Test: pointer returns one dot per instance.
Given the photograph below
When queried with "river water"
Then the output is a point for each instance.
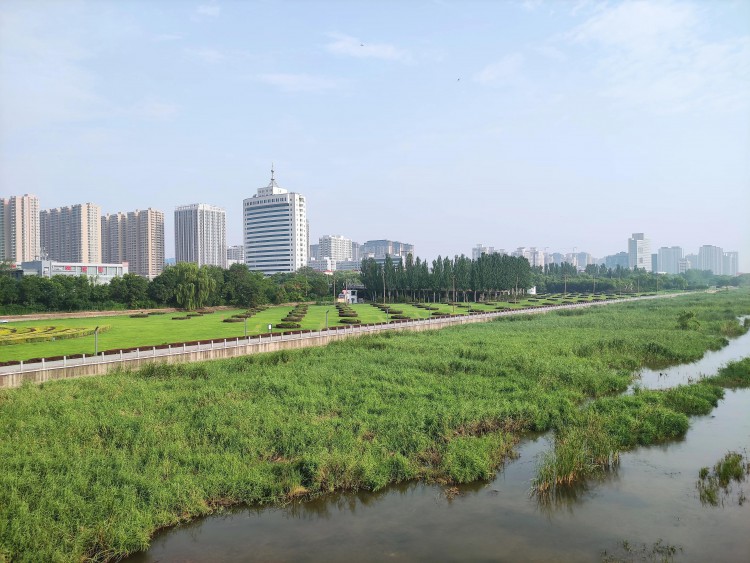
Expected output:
(645, 510)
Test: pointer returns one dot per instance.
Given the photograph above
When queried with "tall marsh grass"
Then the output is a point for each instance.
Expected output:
(92, 467)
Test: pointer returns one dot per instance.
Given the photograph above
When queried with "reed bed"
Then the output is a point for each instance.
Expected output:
(91, 468)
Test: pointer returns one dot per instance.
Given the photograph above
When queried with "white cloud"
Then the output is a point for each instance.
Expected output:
(299, 82)
(211, 56)
(504, 71)
(353, 47)
(653, 55)
(208, 10)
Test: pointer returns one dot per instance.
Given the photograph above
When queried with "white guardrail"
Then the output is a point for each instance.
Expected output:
(254, 344)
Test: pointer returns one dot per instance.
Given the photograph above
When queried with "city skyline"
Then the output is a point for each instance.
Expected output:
(517, 124)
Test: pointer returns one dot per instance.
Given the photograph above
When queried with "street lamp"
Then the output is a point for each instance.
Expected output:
(245, 327)
(386, 315)
(327, 318)
(96, 341)
(454, 293)
(383, 283)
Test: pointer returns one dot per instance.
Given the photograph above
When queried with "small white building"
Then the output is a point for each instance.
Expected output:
(99, 273)
(347, 296)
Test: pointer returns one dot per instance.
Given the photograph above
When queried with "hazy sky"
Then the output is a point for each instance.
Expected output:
(438, 123)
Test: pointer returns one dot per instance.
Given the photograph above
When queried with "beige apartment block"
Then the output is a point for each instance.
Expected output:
(72, 233)
(19, 228)
(136, 237)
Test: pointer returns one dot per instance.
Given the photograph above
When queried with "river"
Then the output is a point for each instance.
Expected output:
(648, 509)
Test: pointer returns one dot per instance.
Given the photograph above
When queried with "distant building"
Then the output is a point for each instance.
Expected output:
(668, 259)
(684, 265)
(639, 252)
(654, 262)
(730, 265)
(100, 272)
(583, 259)
(349, 265)
(200, 234)
(692, 260)
(620, 259)
(711, 258)
(19, 228)
(355, 251)
(314, 252)
(136, 237)
(534, 256)
(382, 248)
(72, 234)
(335, 247)
(555, 258)
(480, 249)
(235, 254)
(325, 265)
(275, 230)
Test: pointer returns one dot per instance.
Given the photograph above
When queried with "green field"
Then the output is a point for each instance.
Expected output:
(126, 332)
(92, 467)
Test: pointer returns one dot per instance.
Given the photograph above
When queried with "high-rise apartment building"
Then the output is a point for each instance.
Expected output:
(235, 254)
(136, 237)
(668, 259)
(639, 252)
(382, 248)
(583, 259)
(335, 247)
(200, 234)
(275, 230)
(480, 249)
(730, 265)
(620, 259)
(19, 228)
(534, 256)
(711, 258)
(72, 233)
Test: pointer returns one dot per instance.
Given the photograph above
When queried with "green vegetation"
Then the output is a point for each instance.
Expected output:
(628, 552)
(590, 443)
(11, 335)
(714, 486)
(140, 329)
(92, 467)
(734, 374)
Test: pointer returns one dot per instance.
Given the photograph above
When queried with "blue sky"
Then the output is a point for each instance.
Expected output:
(439, 123)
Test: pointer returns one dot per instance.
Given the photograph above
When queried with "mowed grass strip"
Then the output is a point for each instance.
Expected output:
(154, 330)
(93, 467)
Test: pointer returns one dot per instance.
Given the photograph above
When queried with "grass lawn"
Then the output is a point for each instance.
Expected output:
(126, 332)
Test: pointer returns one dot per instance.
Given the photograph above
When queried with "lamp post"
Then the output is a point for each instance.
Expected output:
(327, 318)
(383, 283)
(96, 341)
(386, 315)
(245, 327)
(454, 293)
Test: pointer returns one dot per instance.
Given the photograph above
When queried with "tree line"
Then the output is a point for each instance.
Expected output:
(458, 278)
(461, 278)
(187, 286)
(184, 285)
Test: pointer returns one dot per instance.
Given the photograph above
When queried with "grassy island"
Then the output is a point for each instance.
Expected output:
(92, 467)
